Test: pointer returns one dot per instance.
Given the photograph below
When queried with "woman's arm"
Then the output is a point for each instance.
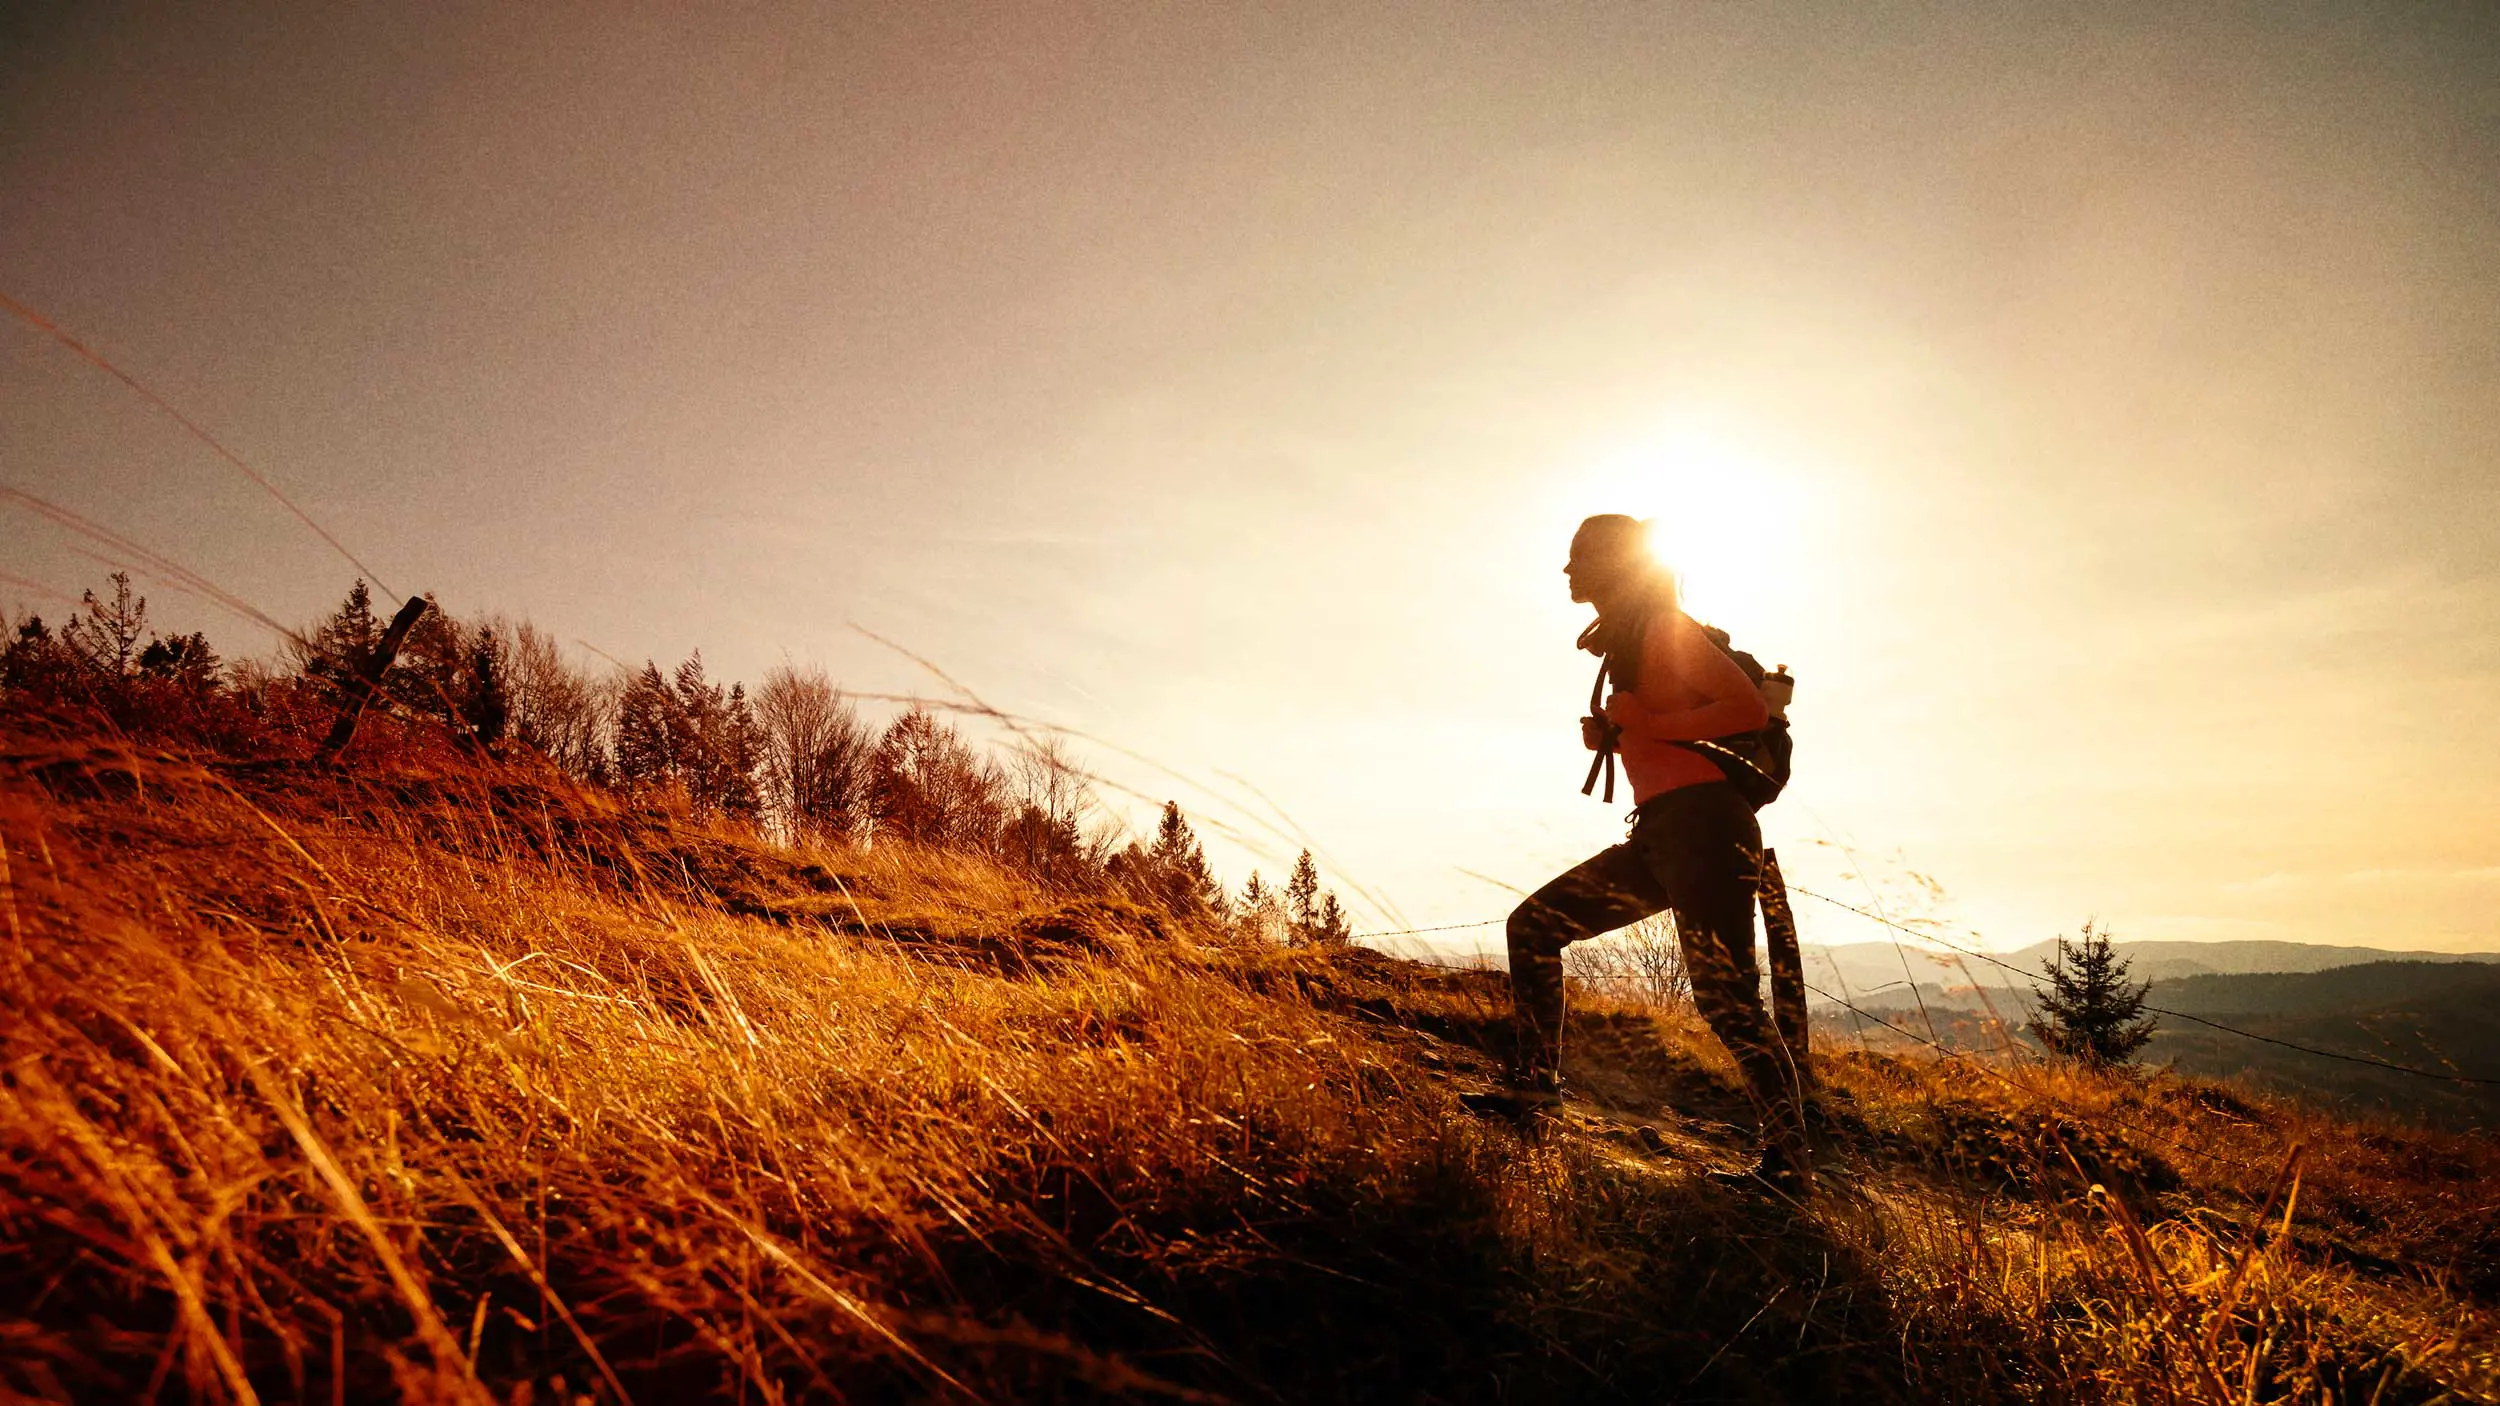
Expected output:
(1727, 700)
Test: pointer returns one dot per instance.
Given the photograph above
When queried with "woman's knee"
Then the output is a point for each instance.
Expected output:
(1534, 930)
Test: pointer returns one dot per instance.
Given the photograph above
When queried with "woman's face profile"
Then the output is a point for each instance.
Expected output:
(1594, 567)
(1574, 572)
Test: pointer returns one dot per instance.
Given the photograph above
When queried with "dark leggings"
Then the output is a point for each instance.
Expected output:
(1697, 850)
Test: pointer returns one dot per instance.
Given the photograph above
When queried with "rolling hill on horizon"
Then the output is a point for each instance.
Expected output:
(2428, 1015)
(1853, 969)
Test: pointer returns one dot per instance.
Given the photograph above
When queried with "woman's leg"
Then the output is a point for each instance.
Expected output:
(1706, 851)
(1606, 891)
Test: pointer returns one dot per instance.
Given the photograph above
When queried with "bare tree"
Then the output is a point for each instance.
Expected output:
(816, 756)
(1643, 964)
(1259, 914)
(927, 786)
(106, 636)
(1046, 836)
(561, 710)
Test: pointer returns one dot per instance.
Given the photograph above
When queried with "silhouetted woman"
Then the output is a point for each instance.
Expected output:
(1693, 847)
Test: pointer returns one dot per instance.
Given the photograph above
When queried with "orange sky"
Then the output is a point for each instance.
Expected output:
(2103, 405)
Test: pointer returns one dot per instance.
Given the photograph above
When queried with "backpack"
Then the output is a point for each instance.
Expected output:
(1756, 763)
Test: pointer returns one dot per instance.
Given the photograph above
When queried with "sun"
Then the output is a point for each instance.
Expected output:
(1722, 518)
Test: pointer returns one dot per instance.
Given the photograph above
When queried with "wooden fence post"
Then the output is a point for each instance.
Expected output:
(367, 678)
(1788, 968)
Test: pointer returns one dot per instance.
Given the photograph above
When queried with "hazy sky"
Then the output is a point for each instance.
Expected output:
(2099, 411)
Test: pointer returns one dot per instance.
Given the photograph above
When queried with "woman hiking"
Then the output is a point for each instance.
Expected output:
(1694, 846)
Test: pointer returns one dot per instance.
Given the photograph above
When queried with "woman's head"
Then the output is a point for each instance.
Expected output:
(1611, 562)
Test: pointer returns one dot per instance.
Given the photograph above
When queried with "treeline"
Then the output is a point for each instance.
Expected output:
(794, 759)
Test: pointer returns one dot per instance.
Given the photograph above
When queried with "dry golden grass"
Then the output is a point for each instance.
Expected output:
(471, 1086)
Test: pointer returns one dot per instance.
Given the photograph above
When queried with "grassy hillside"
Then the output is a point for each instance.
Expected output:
(465, 1083)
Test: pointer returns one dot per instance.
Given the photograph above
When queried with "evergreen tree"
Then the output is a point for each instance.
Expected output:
(339, 646)
(731, 753)
(37, 665)
(1302, 900)
(647, 727)
(429, 676)
(1332, 928)
(184, 659)
(684, 731)
(1176, 867)
(713, 741)
(1171, 872)
(2090, 1011)
(486, 701)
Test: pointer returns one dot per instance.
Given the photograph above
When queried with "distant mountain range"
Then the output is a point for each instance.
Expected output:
(1856, 969)
(2433, 1011)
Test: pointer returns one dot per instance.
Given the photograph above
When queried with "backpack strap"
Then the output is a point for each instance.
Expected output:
(1608, 735)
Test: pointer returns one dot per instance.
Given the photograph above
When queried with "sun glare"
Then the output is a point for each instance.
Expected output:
(1723, 519)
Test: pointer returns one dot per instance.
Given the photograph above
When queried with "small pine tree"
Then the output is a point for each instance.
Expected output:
(36, 663)
(2090, 1011)
(486, 703)
(1172, 872)
(685, 732)
(647, 725)
(1332, 928)
(1302, 899)
(340, 645)
(184, 659)
(1176, 865)
(731, 752)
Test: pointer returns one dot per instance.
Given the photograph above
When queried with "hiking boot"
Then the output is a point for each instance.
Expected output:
(1519, 1105)
(1774, 1172)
